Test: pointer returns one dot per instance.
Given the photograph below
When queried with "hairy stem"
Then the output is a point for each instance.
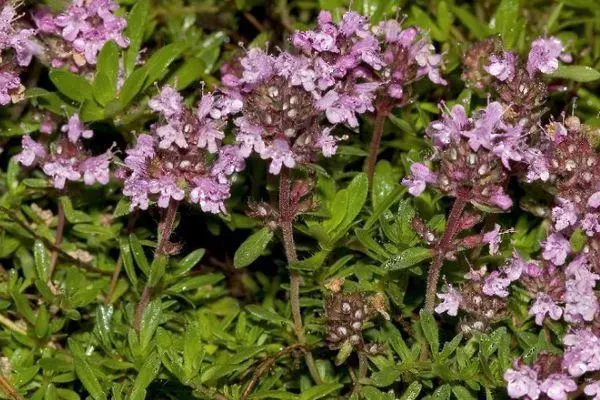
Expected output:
(60, 227)
(12, 326)
(165, 231)
(290, 251)
(265, 366)
(440, 251)
(8, 389)
(378, 125)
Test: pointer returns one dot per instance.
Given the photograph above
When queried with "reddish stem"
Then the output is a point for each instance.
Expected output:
(380, 117)
(287, 218)
(60, 227)
(165, 228)
(441, 249)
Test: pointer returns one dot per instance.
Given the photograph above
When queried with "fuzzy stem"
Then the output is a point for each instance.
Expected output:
(440, 251)
(60, 227)
(378, 125)
(290, 252)
(8, 389)
(165, 231)
(12, 326)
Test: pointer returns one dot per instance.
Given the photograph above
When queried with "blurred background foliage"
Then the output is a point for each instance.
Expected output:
(216, 332)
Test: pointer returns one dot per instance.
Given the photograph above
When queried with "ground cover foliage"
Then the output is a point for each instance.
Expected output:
(312, 199)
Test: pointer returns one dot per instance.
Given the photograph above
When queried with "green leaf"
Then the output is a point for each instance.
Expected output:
(146, 375)
(412, 392)
(444, 17)
(320, 391)
(90, 111)
(42, 322)
(73, 86)
(108, 62)
(42, 260)
(344, 353)
(158, 64)
(127, 258)
(475, 26)
(577, 240)
(506, 22)
(136, 25)
(407, 258)
(462, 393)
(138, 253)
(132, 86)
(252, 248)
(88, 378)
(577, 73)
(72, 215)
(430, 330)
(189, 262)
(442, 393)
(104, 91)
(267, 315)
(150, 321)
(157, 269)
(195, 282)
(123, 208)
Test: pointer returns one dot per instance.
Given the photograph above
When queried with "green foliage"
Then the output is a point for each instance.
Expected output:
(218, 319)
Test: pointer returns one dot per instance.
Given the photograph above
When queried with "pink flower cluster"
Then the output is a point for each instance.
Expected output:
(475, 155)
(83, 29)
(16, 51)
(183, 156)
(66, 159)
(287, 105)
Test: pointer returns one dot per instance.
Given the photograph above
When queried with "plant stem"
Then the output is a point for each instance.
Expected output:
(60, 227)
(9, 390)
(441, 249)
(12, 326)
(165, 231)
(378, 125)
(290, 251)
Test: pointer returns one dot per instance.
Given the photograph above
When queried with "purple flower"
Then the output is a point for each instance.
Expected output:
(61, 170)
(556, 386)
(450, 127)
(168, 102)
(502, 67)
(429, 63)
(210, 194)
(496, 285)
(137, 189)
(593, 389)
(487, 122)
(166, 188)
(230, 160)
(280, 154)
(171, 133)
(522, 381)
(594, 200)
(451, 300)
(9, 82)
(591, 224)
(76, 129)
(420, 177)
(556, 249)
(564, 215)
(544, 304)
(31, 152)
(327, 142)
(582, 352)
(96, 169)
(544, 55)
(501, 199)
(493, 239)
